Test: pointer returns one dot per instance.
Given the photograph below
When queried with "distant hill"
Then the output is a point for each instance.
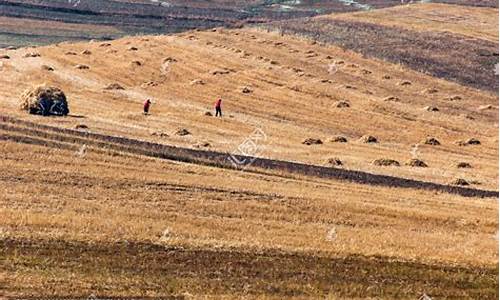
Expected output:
(36, 22)
(445, 41)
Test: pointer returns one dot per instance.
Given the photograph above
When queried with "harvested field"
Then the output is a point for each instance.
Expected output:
(209, 228)
(449, 55)
(211, 158)
(178, 204)
(276, 105)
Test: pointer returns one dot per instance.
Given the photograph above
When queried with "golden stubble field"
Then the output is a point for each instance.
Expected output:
(98, 222)
(64, 214)
(295, 89)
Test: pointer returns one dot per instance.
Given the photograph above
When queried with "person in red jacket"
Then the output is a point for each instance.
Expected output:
(147, 105)
(218, 108)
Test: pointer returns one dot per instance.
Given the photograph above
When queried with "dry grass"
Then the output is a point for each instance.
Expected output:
(458, 19)
(469, 60)
(185, 228)
(287, 107)
(110, 200)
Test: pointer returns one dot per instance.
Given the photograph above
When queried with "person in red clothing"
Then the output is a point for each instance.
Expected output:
(218, 108)
(147, 105)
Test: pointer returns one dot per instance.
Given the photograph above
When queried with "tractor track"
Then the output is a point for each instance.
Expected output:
(23, 131)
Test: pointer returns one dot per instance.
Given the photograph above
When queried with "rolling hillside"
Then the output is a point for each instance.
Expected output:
(108, 19)
(283, 197)
(445, 41)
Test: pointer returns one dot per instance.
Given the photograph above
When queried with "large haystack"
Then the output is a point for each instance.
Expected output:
(44, 100)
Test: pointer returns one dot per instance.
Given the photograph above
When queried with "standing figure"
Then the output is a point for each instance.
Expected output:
(147, 105)
(218, 108)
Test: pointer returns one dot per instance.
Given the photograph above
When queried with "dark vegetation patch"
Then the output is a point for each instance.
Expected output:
(159, 268)
(465, 60)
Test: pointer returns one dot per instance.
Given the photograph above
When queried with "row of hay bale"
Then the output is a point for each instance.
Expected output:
(387, 162)
(369, 139)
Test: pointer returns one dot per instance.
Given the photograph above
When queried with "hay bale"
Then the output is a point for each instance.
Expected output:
(114, 86)
(431, 141)
(431, 108)
(386, 162)
(485, 107)
(82, 67)
(182, 132)
(342, 104)
(338, 139)
(471, 141)
(368, 139)
(81, 126)
(460, 182)
(169, 60)
(4, 57)
(404, 83)
(32, 54)
(86, 52)
(202, 145)
(149, 84)
(312, 141)
(430, 91)
(416, 163)
(464, 165)
(44, 100)
(197, 82)
(220, 72)
(334, 162)
(392, 99)
(47, 68)
(246, 90)
(454, 98)
(159, 134)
